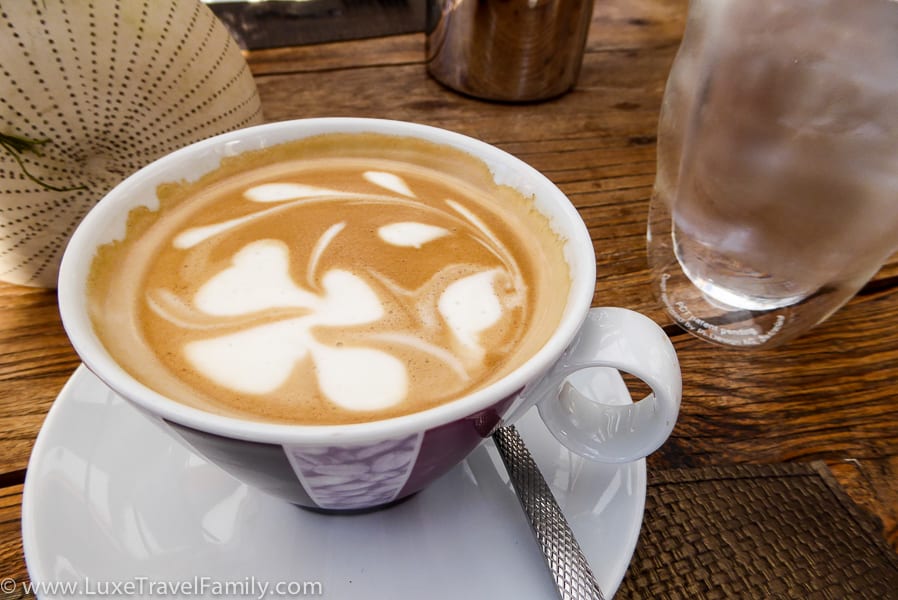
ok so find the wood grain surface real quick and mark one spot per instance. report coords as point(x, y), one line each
point(828, 395)
point(12, 560)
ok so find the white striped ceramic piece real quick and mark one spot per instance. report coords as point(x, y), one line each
point(101, 88)
point(353, 477)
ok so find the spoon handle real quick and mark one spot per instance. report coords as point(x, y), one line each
point(574, 578)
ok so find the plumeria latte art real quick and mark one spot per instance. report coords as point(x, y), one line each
point(363, 375)
point(327, 289)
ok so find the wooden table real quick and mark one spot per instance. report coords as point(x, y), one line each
point(830, 395)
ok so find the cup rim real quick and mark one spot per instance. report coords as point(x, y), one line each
point(75, 265)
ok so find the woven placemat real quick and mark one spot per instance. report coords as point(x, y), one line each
point(757, 531)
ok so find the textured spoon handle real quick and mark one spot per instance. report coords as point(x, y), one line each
point(573, 576)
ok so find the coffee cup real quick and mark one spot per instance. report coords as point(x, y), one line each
point(338, 311)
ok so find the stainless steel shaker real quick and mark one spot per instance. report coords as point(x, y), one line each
point(510, 50)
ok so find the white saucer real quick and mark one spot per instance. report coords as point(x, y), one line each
point(111, 501)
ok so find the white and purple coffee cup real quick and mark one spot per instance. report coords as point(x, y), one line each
point(362, 466)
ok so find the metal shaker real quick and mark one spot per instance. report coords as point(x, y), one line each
point(509, 50)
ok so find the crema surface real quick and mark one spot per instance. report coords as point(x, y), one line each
point(340, 279)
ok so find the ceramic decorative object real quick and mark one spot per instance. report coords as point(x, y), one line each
point(89, 93)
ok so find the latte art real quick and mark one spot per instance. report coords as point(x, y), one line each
point(260, 358)
point(325, 289)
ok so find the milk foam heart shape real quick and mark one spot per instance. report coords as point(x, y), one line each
point(255, 361)
point(469, 306)
point(347, 300)
point(360, 378)
point(258, 279)
point(261, 359)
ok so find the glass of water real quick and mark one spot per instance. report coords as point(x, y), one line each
point(776, 197)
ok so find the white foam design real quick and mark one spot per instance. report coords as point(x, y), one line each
point(409, 234)
point(258, 279)
point(471, 305)
point(348, 300)
point(475, 220)
point(320, 246)
point(389, 181)
point(196, 235)
point(282, 192)
point(254, 361)
point(360, 378)
point(416, 342)
point(261, 358)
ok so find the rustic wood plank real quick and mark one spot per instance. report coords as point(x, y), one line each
point(827, 395)
point(12, 559)
point(35, 362)
point(871, 484)
point(392, 50)
point(612, 96)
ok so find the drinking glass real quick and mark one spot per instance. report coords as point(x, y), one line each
point(776, 197)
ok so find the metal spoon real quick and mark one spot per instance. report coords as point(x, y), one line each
point(573, 576)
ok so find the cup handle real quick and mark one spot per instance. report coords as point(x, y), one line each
point(604, 424)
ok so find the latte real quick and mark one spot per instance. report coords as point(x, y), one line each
point(338, 279)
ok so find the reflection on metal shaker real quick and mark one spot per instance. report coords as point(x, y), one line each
point(509, 50)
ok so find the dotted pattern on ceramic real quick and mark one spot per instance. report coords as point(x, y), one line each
point(352, 477)
point(107, 87)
